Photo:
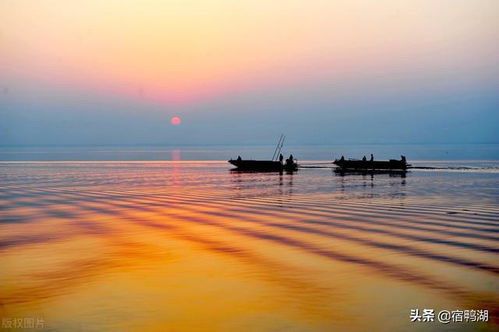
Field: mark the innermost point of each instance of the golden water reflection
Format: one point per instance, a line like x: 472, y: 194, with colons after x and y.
x: 191, y: 246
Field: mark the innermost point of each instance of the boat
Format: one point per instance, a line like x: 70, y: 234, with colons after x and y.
x: 355, y: 164
x: 274, y: 165
x: 263, y: 165
x: 390, y: 172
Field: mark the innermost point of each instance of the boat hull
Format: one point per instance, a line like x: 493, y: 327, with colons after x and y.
x: 390, y: 172
x: 371, y: 165
x: 262, y: 165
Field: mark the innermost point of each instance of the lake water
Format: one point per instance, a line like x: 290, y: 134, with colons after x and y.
x: 191, y: 245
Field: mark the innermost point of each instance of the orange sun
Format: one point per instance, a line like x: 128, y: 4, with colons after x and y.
x: 176, y: 120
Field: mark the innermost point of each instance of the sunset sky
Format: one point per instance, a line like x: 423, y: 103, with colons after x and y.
x: 116, y: 72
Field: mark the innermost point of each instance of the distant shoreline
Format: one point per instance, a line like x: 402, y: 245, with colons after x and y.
x: 414, y: 152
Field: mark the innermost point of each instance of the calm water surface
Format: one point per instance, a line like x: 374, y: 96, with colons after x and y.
x: 189, y: 245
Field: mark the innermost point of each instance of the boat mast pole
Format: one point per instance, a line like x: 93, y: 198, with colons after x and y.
x: 277, y: 147
x: 280, y: 147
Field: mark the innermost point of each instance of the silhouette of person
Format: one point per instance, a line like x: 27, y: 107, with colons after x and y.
x: 290, y: 158
x: 402, y: 158
x: 372, y: 157
x: 342, y: 158
x: 364, y: 159
x: 281, y: 157
x: 238, y: 158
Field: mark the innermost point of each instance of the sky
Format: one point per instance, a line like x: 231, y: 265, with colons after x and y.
x: 241, y: 72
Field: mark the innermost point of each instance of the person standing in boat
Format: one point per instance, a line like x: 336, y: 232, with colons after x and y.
x: 372, y: 157
x: 364, y: 159
x: 281, y: 158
